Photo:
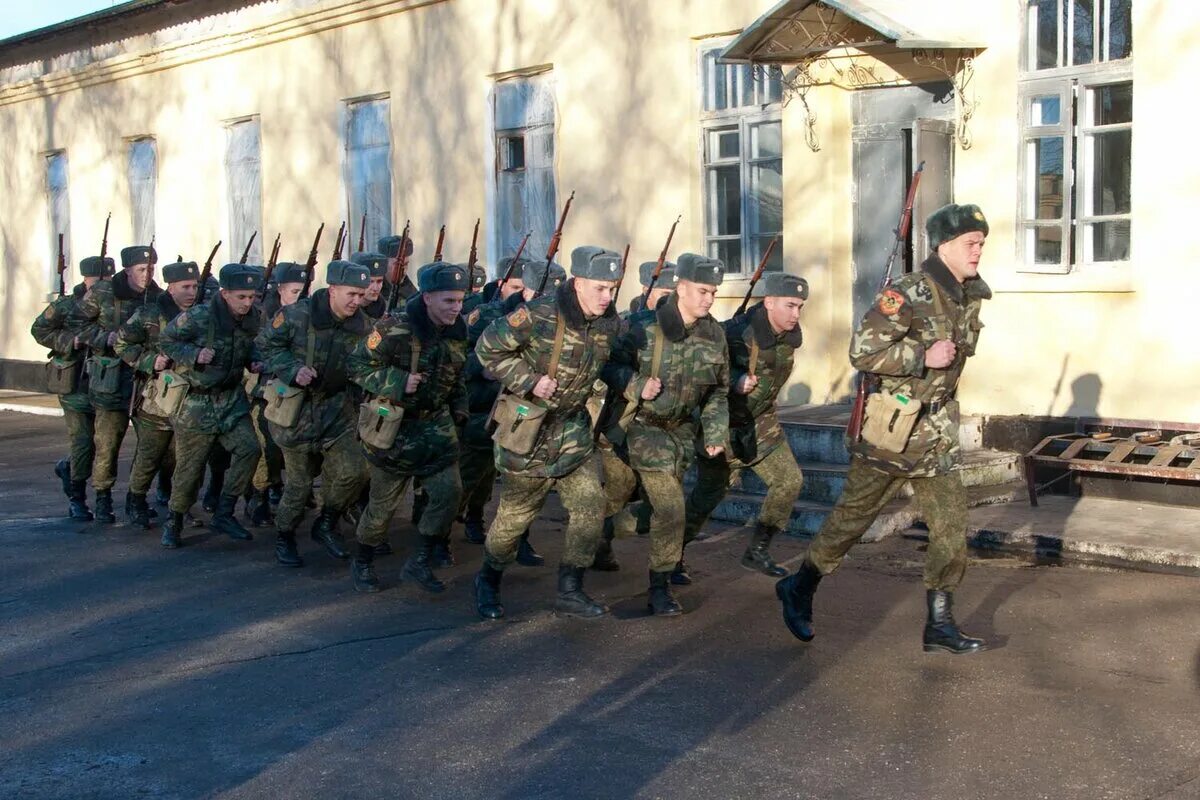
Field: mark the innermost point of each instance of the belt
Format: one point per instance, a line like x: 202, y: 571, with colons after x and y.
x: 666, y: 423
x: 193, y: 389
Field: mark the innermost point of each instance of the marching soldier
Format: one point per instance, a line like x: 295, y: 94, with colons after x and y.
x: 390, y: 247
x: 761, y: 343
x: 675, y: 368
x: 306, y: 345
x: 105, y: 307
x: 375, y: 303
x: 916, y: 338
x: 58, y: 328
x: 137, y: 345
x: 548, y: 354
x: 412, y: 363
x: 211, y: 346
x: 478, y: 283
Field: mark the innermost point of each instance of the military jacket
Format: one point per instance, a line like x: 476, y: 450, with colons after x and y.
x: 382, y: 363
x: 516, y: 348
x: 55, y: 329
x: 482, y: 390
x: 107, y: 306
x: 216, y: 401
x: 754, y: 427
x: 907, y: 317
x: 694, y: 371
x: 137, y: 343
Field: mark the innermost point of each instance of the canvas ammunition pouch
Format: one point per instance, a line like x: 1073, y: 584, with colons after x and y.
x: 284, y: 401
x: 104, y: 374
x: 379, y: 419
x: 890, y: 419
x: 518, y: 422
x: 163, y: 396
x: 62, y: 376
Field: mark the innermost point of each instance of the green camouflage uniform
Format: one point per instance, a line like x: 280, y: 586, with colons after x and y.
x: 756, y: 438
x: 216, y: 409
x: 108, y: 305
x: 55, y: 328
x: 427, y: 444
x: 907, y: 317
x: 268, y: 471
x: 328, y: 415
x: 516, y: 349
x: 663, y: 437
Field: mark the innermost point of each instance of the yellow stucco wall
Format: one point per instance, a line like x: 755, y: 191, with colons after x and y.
x: 628, y: 143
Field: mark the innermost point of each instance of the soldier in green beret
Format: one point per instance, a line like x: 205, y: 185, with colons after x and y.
x: 762, y: 342
x: 211, y: 346
x: 676, y: 369
x: 105, y: 307
x: 414, y: 361
x: 58, y: 328
x: 375, y: 303
x: 137, y: 345
x: 548, y: 354
x: 916, y: 338
x: 390, y: 247
x: 306, y: 345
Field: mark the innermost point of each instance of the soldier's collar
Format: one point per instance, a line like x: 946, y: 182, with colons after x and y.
x: 670, y: 320
x: 764, y: 334
x: 167, y: 305
x: 975, y: 287
x: 121, y: 288
x: 79, y: 291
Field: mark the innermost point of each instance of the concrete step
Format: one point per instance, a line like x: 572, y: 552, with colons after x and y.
x: 824, y: 442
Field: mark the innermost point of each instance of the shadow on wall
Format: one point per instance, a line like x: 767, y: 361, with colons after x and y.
x: 1085, y: 396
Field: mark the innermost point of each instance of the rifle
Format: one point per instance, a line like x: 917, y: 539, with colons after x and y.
x: 271, y: 261
x: 512, y: 265
x: 624, y: 266
x: 337, y: 248
x: 866, y: 381
x: 362, y: 233
x: 246, y: 252
x: 474, y: 257
x: 437, y: 253
x: 150, y: 273
x: 397, y: 273
x: 62, y: 268
x: 138, y: 381
x: 104, y: 241
x: 205, y: 274
x: 754, y: 279
x: 555, y: 241
x: 662, y: 257
x: 312, y: 260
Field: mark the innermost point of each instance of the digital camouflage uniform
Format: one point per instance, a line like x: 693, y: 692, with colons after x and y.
x: 329, y: 412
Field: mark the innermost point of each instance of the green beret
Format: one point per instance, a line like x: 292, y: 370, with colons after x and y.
x: 240, y: 276
x: 951, y: 221
x: 781, y: 284
x: 375, y: 262
x: 288, y: 272
x: 138, y: 254
x: 390, y: 246
x: 440, y: 276
x: 699, y: 269
x: 96, y: 267
x: 595, y: 263
x: 181, y: 271
x: 347, y: 273
x: 531, y: 275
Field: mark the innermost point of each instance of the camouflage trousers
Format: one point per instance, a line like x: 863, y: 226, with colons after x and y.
x: 477, y: 469
x: 619, y: 481
x: 778, y: 470
x: 154, y: 451
x: 522, y: 497
x: 81, y: 434
x: 343, y: 471
x: 387, y: 489
x: 110, y: 432
x: 268, y: 471
x: 941, y: 500
x: 665, y: 491
x: 191, y: 456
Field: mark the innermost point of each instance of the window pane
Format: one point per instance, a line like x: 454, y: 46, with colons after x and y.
x: 1110, y: 240
x: 1113, y: 104
x: 773, y: 89
x: 1044, y: 33
x: 730, y: 253
x: 747, y: 85
x: 1110, y: 179
x: 725, y: 192
x: 724, y: 144
x: 1120, y: 29
x: 243, y: 181
x: 1045, y: 163
x: 512, y: 153
x: 766, y: 197
x: 1046, y: 245
x: 775, y: 262
x: 1083, y: 41
x: 1045, y: 111
x: 766, y: 140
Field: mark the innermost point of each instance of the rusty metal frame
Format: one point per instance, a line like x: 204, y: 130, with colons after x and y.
x: 1120, y: 456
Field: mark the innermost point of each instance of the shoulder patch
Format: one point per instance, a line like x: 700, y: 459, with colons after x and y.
x: 182, y: 319
x: 374, y: 339
x: 890, y: 302
x: 277, y: 322
x: 519, y: 318
x: 473, y: 317
x: 49, y: 312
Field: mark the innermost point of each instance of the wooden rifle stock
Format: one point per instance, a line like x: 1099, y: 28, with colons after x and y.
x: 397, y: 273
x: 474, y: 257
x: 437, y: 251
x: 362, y: 234
x: 205, y: 274
x: 337, y: 246
x: 104, y: 240
x: 662, y: 257
x: 555, y: 241
x: 512, y: 265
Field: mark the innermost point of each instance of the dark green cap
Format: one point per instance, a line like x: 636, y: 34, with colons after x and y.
x: 240, y: 276
x: 699, y: 269
x: 288, y: 272
x: 178, y: 271
x: 781, y: 284
x: 96, y: 267
x: 138, y: 254
x: 390, y: 246
x: 441, y: 276
x: 347, y: 273
x: 375, y: 262
x: 951, y: 221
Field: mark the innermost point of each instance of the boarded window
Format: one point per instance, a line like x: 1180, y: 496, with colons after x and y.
x: 143, y: 176
x: 60, y: 214
x: 368, y: 171
x: 525, y: 191
x: 243, y: 181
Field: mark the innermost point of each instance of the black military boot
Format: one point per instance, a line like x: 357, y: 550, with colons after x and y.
x: 104, y: 506
x: 258, y: 509
x: 362, y: 570
x: 758, y: 557
x: 285, y: 549
x: 163, y: 494
x: 325, y: 531
x: 78, y: 507
x: 572, y: 600
x: 225, y: 522
x: 474, y: 531
x: 941, y: 631
x: 62, y: 468
x: 172, y: 535
x: 384, y: 548
x: 796, y: 592
x: 680, y: 575
x: 137, y: 510
x: 419, y: 569
x: 487, y: 592
x: 443, y: 556
x: 659, y: 599
x: 526, y: 555
x: 604, y: 560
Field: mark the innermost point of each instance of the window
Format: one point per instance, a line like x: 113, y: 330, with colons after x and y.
x: 524, y: 171
x: 143, y: 176
x: 743, y: 162
x: 1077, y: 132
x: 60, y: 215
x: 369, y: 170
x: 243, y: 185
